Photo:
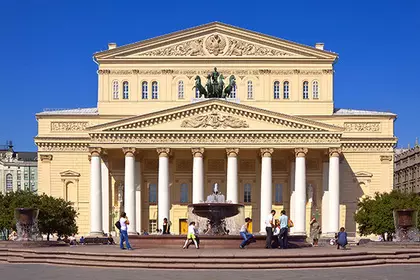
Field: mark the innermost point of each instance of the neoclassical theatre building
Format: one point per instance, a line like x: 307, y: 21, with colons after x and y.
x: 160, y: 136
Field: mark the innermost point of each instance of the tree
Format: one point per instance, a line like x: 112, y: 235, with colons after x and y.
x: 376, y: 215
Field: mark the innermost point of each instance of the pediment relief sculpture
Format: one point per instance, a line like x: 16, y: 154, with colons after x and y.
x: 216, y: 45
x: 69, y: 173
x: 215, y: 120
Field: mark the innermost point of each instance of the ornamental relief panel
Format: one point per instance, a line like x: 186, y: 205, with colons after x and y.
x: 362, y: 127
x: 215, y: 120
x: 68, y: 126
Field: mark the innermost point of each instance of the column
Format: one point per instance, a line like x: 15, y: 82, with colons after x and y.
x: 325, y: 199
x: 232, y: 175
x: 95, y: 192
x: 292, y: 194
x: 137, y: 184
x: 105, y: 195
x: 266, y: 186
x: 163, y: 186
x: 300, y: 192
x: 198, y: 175
x: 130, y: 189
x: 334, y: 189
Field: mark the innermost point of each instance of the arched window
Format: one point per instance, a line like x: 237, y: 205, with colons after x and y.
x: 278, y: 193
x: 184, y: 193
x: 181, y: 90
x: 305, y: 90
x: 233, y: 92
x: 250, y: 90
x: 115, y: 90
x: 125, y: 90
x: 152, y: 193
x: 144, y: 91
x: 276, y: 90
x: 247, y: 192
x: 315, y: 90
x: 286, y: 90
x: 9, y: 182
x: 155, y: 90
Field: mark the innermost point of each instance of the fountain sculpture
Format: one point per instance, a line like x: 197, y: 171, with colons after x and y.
x: 405, y: 221
x: 27, y: 224
x: 215, y: 216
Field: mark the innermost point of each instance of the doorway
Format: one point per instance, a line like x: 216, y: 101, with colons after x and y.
x: 183, y: 226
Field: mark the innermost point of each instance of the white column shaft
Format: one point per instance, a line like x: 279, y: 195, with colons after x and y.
x: 137, y: 184
x: 266, y: 191
x: 232, y: 179
x: 325, y: 199
x: 300, y: 196
x: 334, y: 193
x: 292, y: 194
x: 130, y: 193
x: 105, y: 197
x: 95, y: 195
x: 198, y: 179
x: 163, y: 190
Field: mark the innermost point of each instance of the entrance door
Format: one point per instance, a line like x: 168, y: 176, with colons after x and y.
x: 183, y: 226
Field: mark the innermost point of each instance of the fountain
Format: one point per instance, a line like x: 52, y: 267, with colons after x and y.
x: 405, y: 221
x: 215, y: 216
x: 27, y: 224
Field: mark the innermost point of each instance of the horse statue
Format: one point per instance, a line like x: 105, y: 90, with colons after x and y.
x: 228, y: 90
x: 209, y: 87
x: 200, y: 87
x: 220, y: 86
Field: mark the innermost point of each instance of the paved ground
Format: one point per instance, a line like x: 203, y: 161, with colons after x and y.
x: 46, y: 272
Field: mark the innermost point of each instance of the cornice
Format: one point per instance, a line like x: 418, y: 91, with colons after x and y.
x: 62, y: 147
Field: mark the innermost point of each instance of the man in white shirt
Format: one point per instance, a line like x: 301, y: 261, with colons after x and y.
x: 269, y: 224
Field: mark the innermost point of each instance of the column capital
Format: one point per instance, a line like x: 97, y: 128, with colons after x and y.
x: 129, y: 151
x: 232, y: 152
x: 197, y: 152
x: 95, y: 151
x: 334, y: 152
x: 266, y: 152
x: 163, y: 152
x: 301, y: 152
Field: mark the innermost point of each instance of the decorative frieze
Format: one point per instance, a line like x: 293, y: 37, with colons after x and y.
x: 68, y: 126
x: 215, y: 120
x: 362, y: 127
x: 367, y: 147
x: 62, y: 147
x: 46, y: 158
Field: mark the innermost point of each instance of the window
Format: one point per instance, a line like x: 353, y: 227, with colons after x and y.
x: 278, y: 195
x: 152, y: 193
x: 154, y: 90
x: 152, y: 226
x: 233, y: 92
x: 305, y: 90
x: 26, y: 176
x: 125, y: 90
x: 9, y: 182
x: 250, y: 90
x: 181, y: 90
x: 184, y: 193
x: 115, y: 90
x: 276, y: 90
x: 315, y: 90
x: 286, y: 90
x: 18, y: 186
x: 247, y: 192
x: 32, y: 176
x: 19, y: 175
x: 33, y: 187
x: 144, y: 94
x: 197, y: 93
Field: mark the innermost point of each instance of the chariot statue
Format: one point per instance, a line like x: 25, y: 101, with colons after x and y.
x: 215, y: 86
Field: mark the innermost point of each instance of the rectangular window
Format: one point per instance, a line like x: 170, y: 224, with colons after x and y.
x: 32, y: 176
x: 19, y: 177
x: 278, y: 196
x: 184, y: 193
x: 152, y: 226
x: 26, y: 176
x: 247, y: 192
x: 152, y: 193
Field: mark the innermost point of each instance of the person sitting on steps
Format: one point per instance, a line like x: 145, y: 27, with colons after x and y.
x: 342, y: 238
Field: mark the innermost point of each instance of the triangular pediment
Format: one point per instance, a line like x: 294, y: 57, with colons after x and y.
x: 363, y: 174
x: 214, y: 115
x: 69, y: 173
x: 214, y: 40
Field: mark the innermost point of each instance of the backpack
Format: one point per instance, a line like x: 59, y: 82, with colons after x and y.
x: 118, y: 225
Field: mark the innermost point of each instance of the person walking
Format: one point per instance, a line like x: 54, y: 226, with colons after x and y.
x: 246, y: 236
x: 315, y: 231
x: 191, y: 236
x: 269, y: 224
x: 284, y: 228
x: 124, y: 222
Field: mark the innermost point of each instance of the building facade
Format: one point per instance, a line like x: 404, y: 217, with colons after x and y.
x: 407, y: 170
x: 155, y: 143
x: 18, y: 170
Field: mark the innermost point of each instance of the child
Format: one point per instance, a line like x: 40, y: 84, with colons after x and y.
x: 247, y: 237
x: 276, y: 233
x: 342, y: 238
x: 191, y: 236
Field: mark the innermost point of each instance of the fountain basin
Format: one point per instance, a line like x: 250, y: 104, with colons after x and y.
x: 405, y: 222
x: 213, y: 211
x: 26, y: 224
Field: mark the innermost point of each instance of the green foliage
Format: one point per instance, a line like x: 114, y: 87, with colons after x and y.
x: 55, y: 214
x: 375, y: 215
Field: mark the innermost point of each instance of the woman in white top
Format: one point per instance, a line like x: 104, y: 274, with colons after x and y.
x: 191, y: 236
x: 124, y: 222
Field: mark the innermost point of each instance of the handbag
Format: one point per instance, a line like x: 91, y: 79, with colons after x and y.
x: 290, y: 223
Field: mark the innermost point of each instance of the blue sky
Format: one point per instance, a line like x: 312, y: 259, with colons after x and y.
x: 47, y: 44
